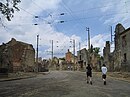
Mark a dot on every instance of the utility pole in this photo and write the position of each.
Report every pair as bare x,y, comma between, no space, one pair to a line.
52,50
111,36
74,51
79,46
87,29
37,53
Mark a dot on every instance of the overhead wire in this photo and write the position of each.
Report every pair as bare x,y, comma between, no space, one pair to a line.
90,9
69,11
40,7
96,16
78,19
35,16
49,14
51,23
72,12
5,28
2,23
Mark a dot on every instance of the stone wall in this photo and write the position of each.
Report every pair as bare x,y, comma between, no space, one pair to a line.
19,56
119,59
82,58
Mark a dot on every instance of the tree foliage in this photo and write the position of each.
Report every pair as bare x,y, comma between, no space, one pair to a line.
7,8
96,50
62,58
91,49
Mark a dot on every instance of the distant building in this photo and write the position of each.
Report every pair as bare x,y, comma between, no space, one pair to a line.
68,57
17,56
82,58
86,57
69,60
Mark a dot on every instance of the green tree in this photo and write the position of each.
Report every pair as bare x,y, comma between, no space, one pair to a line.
7,8
96,50
62,58
91,49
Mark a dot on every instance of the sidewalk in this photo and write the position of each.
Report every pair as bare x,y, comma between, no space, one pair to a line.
18,76
21,75
125,76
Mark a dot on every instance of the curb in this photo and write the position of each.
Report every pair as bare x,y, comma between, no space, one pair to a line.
11,79
44,73
19,78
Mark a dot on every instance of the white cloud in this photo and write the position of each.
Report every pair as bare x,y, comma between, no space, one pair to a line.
120,13
107,6
98,41
23,29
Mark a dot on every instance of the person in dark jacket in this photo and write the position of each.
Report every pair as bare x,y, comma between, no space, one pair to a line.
89,74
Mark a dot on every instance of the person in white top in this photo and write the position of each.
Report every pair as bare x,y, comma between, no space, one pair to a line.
104,71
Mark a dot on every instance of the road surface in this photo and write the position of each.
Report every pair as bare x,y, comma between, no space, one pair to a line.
64,84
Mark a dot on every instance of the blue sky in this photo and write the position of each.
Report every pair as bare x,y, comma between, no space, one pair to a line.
98,15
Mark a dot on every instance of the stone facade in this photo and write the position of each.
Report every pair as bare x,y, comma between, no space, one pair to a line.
69,60
122,49
119,59
68,57
82,58
108,57
20,56
43,65
89,57
95,61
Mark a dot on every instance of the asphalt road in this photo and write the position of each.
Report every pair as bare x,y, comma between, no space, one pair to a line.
64,84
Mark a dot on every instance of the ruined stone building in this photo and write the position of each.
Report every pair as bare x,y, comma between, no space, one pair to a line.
61,63
68,59
108,56
82,58
89,57
95,61
17,56
43,65
71,60
119,59
122,48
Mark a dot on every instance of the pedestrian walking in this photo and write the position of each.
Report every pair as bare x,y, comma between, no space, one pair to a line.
104,71
89,74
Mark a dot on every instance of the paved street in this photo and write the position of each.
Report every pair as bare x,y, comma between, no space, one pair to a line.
64,84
